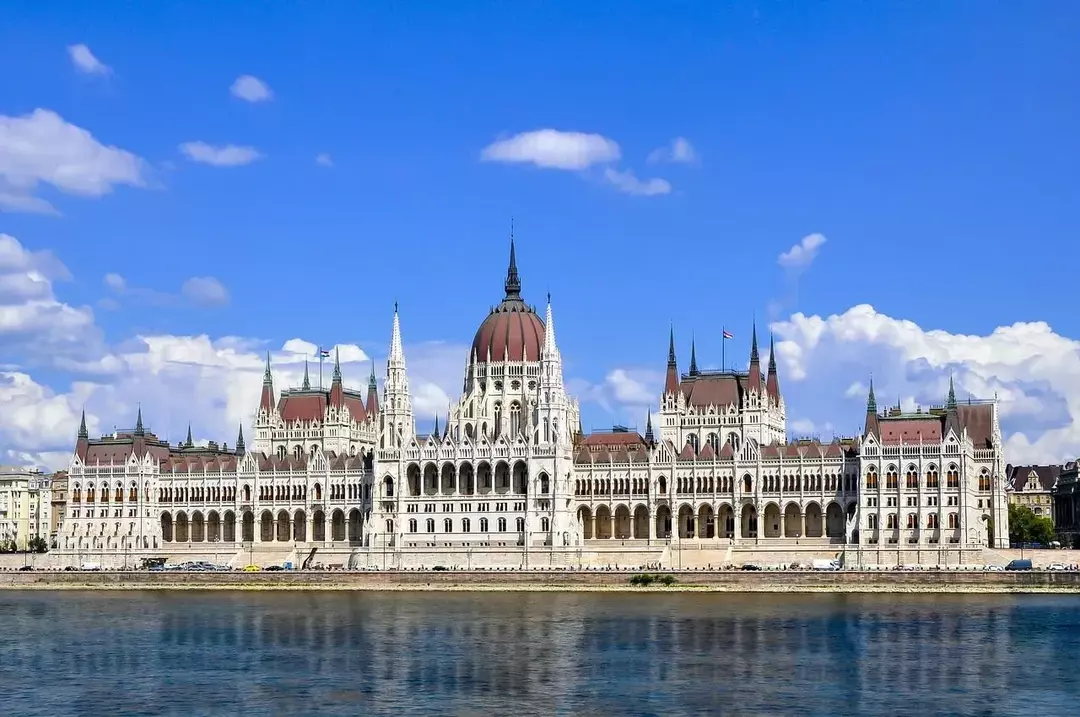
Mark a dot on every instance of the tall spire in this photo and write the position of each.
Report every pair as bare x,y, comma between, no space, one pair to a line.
435,431
189,443
753,380
372,384
267,376
671,382
871,400
266,402
649,438
240,448
83,433
397,354
772,383
513,283
307,381
950,402
550,348
138,424
693,357
870,428
754,358
337,364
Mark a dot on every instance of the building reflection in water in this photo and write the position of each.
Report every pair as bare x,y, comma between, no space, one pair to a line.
539,653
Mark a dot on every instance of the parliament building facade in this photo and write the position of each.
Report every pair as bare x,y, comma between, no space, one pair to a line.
510,480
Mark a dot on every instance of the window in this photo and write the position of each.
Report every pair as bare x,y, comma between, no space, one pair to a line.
448,525
891,478
912,523
431,525
912,481
545,525
952,478
502,525
890,521
932,477
483,525
498,418
871,521
521,525
389,526
412,525
515,419
871,478
954,521
931,521
984,480
466,525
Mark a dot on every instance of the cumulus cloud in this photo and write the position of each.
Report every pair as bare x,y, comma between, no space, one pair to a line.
798,258
251,89
42,148
552,149
1034,371
679,151
229,155
628,183
624,393
323,160
85,62
200,291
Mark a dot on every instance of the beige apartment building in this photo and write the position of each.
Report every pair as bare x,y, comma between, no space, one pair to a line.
25,506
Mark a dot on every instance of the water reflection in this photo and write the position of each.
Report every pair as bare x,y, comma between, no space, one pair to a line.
484,653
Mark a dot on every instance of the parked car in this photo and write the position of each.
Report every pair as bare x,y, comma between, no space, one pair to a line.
1019,565
1056,566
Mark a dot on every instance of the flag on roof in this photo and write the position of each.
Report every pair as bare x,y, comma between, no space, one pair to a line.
728,334
324,353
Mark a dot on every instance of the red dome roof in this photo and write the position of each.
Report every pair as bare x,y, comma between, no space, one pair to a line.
512,331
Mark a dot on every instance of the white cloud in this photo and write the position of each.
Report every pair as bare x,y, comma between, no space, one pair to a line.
323,160
251,89
624,393
552,149
628,183
1034,371
229,155
85,61
42,148
799,257
680,151
205,291
201,291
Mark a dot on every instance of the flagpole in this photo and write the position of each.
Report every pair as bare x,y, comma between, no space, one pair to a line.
723,348
320,368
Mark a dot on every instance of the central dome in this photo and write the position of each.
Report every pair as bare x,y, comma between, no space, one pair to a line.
512,331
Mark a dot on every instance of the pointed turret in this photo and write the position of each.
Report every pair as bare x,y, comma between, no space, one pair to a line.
372,405
952,413
139,431
189,443
693,356
871,425
513,283
337,390
306,385
649,437
754,379
772,383
240,448
82,442
435,430
266,402
397,354
551,349
396,421
671,382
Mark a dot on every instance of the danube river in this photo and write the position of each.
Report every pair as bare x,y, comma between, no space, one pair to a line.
364,653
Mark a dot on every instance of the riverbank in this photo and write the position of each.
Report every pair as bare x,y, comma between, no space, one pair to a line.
870,581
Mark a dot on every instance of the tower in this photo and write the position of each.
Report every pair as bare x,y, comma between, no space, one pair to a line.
396,423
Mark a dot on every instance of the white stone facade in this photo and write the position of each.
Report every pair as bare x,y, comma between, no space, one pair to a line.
511,474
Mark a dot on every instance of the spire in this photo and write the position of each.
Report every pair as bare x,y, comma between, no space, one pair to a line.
397,354
952,413
371,383
513,284
671,382
337,365
950,402
189,443
772,383
267,376
550,348
435,431
871,426
138,424
871,400
649,438
240,449
754,358
307,382
83,433
372,405
266,402
693,357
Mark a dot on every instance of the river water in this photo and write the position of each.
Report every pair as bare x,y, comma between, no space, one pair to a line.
307,653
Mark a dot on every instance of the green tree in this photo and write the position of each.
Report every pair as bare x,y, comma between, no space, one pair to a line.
38,545
1026,527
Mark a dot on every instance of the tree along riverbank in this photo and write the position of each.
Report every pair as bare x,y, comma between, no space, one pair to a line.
850,581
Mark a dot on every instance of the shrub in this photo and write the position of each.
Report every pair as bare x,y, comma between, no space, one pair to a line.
646,579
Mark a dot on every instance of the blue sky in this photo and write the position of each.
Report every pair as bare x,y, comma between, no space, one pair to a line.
934,146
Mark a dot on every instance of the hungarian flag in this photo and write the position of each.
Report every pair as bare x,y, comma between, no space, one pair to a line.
324,353
728,334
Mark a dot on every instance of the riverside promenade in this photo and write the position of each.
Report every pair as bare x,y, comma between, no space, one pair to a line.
731,581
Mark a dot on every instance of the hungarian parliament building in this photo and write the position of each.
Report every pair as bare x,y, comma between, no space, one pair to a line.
510,479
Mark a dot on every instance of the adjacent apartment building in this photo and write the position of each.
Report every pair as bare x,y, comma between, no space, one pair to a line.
25,507
1033,486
